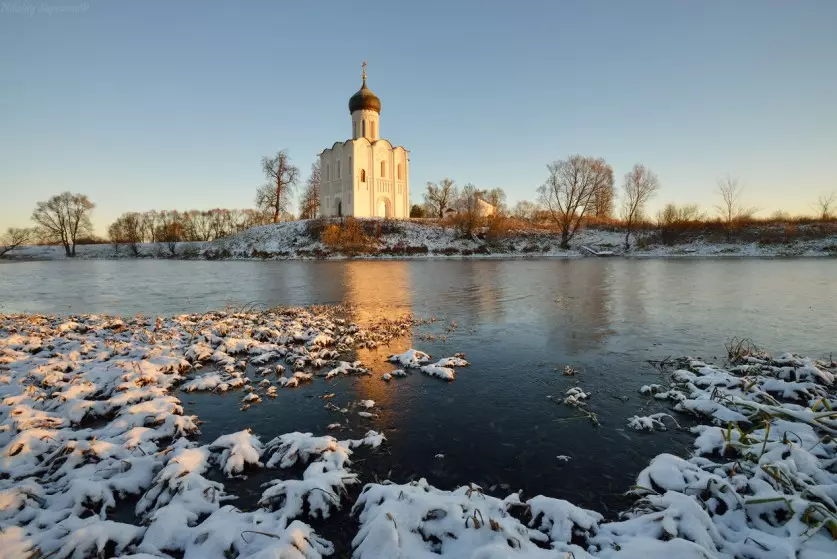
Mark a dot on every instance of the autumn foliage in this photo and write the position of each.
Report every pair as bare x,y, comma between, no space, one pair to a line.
348,237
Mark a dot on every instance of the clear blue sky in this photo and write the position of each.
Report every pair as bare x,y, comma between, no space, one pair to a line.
171,104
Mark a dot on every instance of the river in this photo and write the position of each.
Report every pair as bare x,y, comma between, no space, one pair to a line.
518,322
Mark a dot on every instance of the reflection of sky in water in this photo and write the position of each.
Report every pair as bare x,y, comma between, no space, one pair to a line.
517,321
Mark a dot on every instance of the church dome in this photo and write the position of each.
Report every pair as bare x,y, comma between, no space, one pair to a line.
364,100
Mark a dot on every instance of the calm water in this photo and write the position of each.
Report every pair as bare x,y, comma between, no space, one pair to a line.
517,321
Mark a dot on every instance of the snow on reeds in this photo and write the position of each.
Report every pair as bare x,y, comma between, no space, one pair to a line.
90,420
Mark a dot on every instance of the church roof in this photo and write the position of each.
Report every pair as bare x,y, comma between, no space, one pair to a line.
364,99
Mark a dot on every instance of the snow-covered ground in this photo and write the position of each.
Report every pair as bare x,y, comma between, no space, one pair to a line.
91,423
416,239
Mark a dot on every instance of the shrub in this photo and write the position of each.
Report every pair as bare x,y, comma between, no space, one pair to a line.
315,227
499,229
348,237
400,249
448,251
191,251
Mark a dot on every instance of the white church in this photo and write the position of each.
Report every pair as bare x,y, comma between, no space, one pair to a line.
365,176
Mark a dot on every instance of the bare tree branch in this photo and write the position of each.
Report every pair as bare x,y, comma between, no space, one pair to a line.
282,177
496,197
640,186
568,192
824,205
127,229
438,197
468,215
309,205
603,200
63,218
525,210
13,238
731,208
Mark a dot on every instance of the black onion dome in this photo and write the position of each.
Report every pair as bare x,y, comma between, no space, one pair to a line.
364,100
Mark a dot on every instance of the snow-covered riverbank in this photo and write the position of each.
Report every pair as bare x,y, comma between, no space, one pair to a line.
98,458
411,239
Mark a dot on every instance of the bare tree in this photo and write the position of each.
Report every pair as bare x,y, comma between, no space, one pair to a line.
525,210
309,205
468,210
673,221
438,197
825,203
127,229
731,208
780,215
170,230
63,218
603,199
197,225
672,214
496,197
640,186
568,191
13,238
282,177
150,222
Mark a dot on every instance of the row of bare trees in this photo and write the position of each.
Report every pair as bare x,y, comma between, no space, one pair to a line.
171,226
274,197
63,219
445,195
580,186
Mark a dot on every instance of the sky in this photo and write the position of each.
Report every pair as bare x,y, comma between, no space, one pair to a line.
171,104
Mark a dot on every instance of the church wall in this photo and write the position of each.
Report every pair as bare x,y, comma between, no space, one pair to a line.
336,180
378,192
402,185
362,151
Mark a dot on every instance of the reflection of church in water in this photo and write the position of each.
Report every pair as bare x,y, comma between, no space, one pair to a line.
391,301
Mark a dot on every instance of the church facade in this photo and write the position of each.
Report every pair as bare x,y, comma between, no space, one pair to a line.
365,176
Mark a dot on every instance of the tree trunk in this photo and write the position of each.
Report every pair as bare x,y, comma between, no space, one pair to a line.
627,239
565,242
67,250
278,195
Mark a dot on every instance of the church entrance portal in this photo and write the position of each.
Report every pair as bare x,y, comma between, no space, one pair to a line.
384,208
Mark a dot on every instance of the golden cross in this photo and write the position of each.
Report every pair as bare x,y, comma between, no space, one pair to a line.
364,70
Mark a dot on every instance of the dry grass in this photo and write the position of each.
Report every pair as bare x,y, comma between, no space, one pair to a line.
501,228
765,232
350,237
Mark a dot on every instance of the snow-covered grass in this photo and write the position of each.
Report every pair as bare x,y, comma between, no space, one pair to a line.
91,423
427,239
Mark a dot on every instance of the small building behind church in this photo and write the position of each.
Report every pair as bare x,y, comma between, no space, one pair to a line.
365,176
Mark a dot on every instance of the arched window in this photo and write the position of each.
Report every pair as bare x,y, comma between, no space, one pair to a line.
372,123
351,169
354,129
338,169
363,175
399,171
383,169
364,127
328,171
